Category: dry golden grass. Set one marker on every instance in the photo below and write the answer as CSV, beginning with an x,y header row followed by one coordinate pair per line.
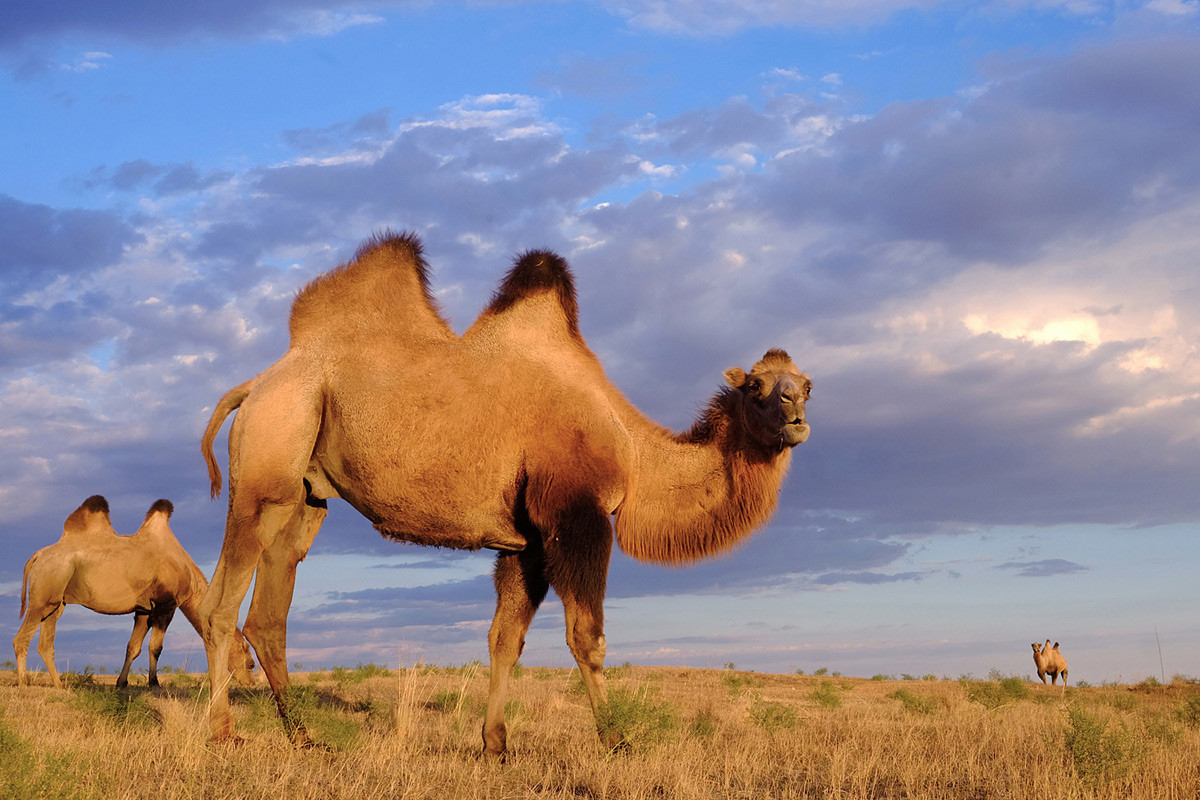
x,y
690,734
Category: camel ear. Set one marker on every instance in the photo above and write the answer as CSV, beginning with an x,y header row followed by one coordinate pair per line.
x,y
735,376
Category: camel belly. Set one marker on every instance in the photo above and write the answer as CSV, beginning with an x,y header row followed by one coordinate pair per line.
x,y
422,496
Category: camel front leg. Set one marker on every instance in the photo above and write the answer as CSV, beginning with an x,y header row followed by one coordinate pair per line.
x,y
160,620
577,566
520,588
46,643
266,622
141,624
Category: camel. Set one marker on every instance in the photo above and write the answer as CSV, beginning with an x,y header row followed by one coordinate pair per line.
x,y
147,574
1049,661
509,437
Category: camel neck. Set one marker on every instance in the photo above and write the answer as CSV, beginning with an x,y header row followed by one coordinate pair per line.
x,y
697,495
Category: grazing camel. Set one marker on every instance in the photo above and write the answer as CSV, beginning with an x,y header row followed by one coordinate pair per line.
x,y
1049,661
147,574
510,438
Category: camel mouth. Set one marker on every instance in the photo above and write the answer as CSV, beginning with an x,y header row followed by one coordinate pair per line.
x,y
796,432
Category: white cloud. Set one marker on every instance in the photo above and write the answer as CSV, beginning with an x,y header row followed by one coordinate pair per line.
x,y
1175,8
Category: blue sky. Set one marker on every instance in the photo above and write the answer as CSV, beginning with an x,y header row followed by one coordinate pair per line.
x,y
976,225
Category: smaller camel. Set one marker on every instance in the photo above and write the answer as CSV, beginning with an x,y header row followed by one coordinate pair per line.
x,y
148,574
1049,661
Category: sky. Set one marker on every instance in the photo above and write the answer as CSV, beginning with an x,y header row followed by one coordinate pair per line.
x,y
976,226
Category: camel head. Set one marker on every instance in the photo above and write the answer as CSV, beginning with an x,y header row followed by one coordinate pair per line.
x,y
1037,648
772,397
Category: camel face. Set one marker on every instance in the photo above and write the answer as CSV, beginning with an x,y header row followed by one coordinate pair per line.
x,y
775,393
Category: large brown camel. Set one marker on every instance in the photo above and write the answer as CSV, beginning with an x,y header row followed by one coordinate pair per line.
x,y
510,437
147,574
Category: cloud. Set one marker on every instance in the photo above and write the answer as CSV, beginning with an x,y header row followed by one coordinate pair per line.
x,y
171,20
722,17
991,291
1043,569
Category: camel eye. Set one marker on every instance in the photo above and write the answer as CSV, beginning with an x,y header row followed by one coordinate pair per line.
x,y
753,385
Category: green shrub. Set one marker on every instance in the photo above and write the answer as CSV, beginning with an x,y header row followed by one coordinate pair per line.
x,y
1100,752
704,726
915,703
120,706
826,695
737,683
24,774
995,693
634,720
1189,712
771,716
446,701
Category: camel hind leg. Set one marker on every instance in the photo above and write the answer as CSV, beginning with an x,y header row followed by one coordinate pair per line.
x,y
266,622
520,588
35,617
46,643
270,444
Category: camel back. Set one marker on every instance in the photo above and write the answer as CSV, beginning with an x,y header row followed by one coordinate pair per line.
x,y
385,287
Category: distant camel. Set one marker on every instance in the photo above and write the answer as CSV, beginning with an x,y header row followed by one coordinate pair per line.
x,y
147,574
510,438
1049,662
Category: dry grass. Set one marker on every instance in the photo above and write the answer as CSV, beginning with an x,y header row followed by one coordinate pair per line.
x,y
689,734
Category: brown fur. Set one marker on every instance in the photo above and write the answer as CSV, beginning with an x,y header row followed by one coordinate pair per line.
x,y
510,437
147,574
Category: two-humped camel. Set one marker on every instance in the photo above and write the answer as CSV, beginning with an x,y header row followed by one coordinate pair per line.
x,y
147,574
1049,661
510,437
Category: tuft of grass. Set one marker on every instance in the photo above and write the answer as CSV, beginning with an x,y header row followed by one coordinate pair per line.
x,y
25,774
826,695
1100,751
446,701
996,693
635,720
915,703
737,683
704,725
773,716
121,706
1189,712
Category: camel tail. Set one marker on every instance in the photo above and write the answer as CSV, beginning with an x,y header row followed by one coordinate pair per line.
x,y
227,405
25,583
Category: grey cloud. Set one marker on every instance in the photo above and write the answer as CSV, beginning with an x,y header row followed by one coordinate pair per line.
x,y
364,131
1043,569
999,175
43,242
168,21
872,578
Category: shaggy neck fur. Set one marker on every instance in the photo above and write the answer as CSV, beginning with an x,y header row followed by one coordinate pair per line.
x,y
698,494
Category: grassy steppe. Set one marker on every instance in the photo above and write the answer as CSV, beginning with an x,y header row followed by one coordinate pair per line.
x,y
689,733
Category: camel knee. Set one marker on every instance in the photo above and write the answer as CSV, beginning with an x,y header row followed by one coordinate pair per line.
x,y
588,647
